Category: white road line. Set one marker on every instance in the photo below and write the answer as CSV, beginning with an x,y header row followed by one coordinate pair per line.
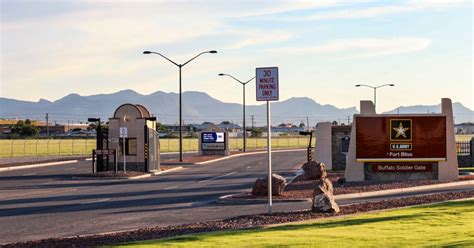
x,y
248,167
96,201
31,174
173,187
213,178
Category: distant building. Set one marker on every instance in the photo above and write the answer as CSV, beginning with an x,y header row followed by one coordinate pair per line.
x,y
464,128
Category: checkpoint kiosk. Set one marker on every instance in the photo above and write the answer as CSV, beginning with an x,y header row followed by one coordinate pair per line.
x,y
132,132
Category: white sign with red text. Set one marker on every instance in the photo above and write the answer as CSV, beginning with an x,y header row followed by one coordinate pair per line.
x,y
267,84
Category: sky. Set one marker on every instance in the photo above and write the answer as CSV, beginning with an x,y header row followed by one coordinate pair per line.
x,y
52,48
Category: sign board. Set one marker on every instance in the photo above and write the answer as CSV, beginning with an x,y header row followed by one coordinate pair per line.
x,y
402,167
267,84
401,138
123,132
213,141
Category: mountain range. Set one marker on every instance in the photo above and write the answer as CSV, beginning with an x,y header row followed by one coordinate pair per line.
x,y
197,108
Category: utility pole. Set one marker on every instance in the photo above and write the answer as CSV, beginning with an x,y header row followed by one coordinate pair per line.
x,y
68,125
253,122
307,122
47,124
348,119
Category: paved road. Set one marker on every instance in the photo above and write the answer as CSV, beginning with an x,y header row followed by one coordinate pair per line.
x,y
46,202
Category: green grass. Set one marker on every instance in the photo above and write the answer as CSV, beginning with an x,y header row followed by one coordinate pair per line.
x,y
65,147
449,224
45,147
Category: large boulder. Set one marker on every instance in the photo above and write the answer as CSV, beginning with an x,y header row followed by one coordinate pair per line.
x,y
260,188
323,198
311,170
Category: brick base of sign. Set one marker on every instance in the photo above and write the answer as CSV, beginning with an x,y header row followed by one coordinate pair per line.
x,y
213,152
404,171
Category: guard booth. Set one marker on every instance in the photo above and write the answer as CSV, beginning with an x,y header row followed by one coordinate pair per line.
x,y
132,132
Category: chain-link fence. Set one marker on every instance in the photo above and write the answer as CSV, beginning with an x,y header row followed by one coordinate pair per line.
x,y
68,147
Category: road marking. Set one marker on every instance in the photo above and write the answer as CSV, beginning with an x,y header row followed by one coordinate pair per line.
x,y
173,187
213,178
248,167
96,201
31,174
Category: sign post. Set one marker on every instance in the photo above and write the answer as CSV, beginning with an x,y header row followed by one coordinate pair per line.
x,y
267,89
123,135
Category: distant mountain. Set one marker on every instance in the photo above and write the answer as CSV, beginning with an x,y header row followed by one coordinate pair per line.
x,y
461,113
197,108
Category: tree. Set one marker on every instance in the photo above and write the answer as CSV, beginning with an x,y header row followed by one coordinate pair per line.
x,y
256,132
302,124
225,122
25,128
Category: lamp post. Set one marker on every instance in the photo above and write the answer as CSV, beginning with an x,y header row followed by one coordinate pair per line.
x,y
180,97
375,91
243,105
98,141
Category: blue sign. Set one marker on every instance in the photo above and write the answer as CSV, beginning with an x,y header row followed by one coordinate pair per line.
x,y
212,137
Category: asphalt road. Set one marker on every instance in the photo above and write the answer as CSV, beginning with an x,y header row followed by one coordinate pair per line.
x,y
47,202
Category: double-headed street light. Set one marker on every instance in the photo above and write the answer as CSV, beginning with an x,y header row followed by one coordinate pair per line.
x,y
180,98
243,118
375,91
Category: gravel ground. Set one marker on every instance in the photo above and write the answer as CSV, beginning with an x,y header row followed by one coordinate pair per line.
x,y
304,189
8,162
240,222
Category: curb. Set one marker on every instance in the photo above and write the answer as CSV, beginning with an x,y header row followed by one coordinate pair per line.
x,y
111,178
228,200
128,178
21,167
401,190
166,171
247,153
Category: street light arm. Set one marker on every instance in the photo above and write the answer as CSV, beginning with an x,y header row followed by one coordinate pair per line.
x,y
384,85
148,52
365,85
233,78
249,80
197,56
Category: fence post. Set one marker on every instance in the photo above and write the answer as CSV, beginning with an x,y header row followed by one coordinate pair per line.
x,y
471,151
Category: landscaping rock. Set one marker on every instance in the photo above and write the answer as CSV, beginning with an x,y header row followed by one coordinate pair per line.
x,y
323,198
260,187
312,170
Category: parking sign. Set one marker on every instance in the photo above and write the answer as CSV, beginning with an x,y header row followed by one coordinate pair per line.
x,y
267,84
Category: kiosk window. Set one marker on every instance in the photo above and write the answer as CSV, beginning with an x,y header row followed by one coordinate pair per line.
x,y
130,146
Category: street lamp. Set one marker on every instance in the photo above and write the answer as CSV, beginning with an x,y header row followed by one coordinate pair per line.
x,y
375,91
180,97
243,118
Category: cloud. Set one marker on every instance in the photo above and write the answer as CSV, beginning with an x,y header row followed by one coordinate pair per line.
x,y
377,11
361,48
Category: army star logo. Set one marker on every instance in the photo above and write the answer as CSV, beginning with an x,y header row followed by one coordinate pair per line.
x,y
400,131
